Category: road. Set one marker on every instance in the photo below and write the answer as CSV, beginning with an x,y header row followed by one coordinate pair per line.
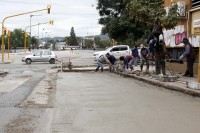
x,y
108,103
27,92
36,99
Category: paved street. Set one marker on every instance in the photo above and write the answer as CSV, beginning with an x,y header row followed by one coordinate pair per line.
x,y
36,99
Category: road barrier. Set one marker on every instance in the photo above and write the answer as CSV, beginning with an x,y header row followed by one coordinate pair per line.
x,y
66,63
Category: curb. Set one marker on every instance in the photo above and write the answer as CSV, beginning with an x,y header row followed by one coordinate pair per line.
x,y
7,62
158,83
163,84
75,66
3,73
81,70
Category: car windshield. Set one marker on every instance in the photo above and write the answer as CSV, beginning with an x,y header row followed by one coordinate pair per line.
x,y
108,49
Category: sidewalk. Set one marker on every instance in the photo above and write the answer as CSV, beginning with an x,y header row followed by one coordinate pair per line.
x,y
12,57
187,85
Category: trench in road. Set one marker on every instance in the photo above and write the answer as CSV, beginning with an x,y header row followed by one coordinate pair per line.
x,y
9,110
26,117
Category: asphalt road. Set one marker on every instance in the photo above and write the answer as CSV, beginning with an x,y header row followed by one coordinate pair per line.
x,y
27,92
36,99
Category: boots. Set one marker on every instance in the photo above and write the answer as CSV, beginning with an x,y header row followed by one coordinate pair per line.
x,y
191,75
101,69
186,73
97,69
141,67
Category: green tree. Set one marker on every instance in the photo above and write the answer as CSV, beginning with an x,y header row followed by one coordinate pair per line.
x,y
34,41
49,43
114,17
67,40
16,39
101,43
89,43
73,39
148,12
125,19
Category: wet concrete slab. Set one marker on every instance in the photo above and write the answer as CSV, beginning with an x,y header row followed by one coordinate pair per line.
x,y
109,103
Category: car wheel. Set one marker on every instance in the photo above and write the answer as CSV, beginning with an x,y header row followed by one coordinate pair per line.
x,y
28,61
52,61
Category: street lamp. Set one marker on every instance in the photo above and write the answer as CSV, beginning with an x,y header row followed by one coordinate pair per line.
x,y
30,21
42,33
51,22
25,34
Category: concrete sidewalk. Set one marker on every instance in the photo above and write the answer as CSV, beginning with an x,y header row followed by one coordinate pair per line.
x,y
12,57
187,85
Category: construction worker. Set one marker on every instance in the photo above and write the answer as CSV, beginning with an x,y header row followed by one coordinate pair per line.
x,y
144,53
160,54
190,56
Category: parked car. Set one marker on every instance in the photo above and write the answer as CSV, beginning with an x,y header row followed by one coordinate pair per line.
x,y
41,56
117,51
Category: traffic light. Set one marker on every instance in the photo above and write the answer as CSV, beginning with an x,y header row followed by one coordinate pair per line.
x,y
8,33
4,31
25,35
51,22
49,9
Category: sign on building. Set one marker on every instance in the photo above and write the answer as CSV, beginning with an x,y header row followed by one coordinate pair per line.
x,y
181,8
196,26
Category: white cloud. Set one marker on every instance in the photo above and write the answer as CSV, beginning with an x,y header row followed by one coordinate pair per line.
x,y
79,14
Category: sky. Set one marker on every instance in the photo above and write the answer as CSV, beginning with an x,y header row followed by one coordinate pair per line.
x,y
80,14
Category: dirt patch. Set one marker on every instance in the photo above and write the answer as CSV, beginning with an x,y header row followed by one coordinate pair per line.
x,y
20,125
43,94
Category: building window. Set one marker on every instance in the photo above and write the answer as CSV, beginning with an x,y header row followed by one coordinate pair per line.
x,y
195,3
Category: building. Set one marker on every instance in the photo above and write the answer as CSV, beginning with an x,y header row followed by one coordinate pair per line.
x,y
188,26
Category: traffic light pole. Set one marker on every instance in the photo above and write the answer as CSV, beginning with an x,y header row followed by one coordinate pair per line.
x,y
8,44
50,22
2,45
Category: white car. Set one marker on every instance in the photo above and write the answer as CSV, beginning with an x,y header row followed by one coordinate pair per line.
x,y
117,51
40,56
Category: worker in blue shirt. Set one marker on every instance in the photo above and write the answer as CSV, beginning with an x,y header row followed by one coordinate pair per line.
x,y
112,61
190,57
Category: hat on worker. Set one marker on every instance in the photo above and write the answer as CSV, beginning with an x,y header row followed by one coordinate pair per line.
x,y
142,45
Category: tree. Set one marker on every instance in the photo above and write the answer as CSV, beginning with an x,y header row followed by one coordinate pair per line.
x,y
73,39
101,43
49,43
114,17
125,19
89,43
154,10
16,39
34,41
